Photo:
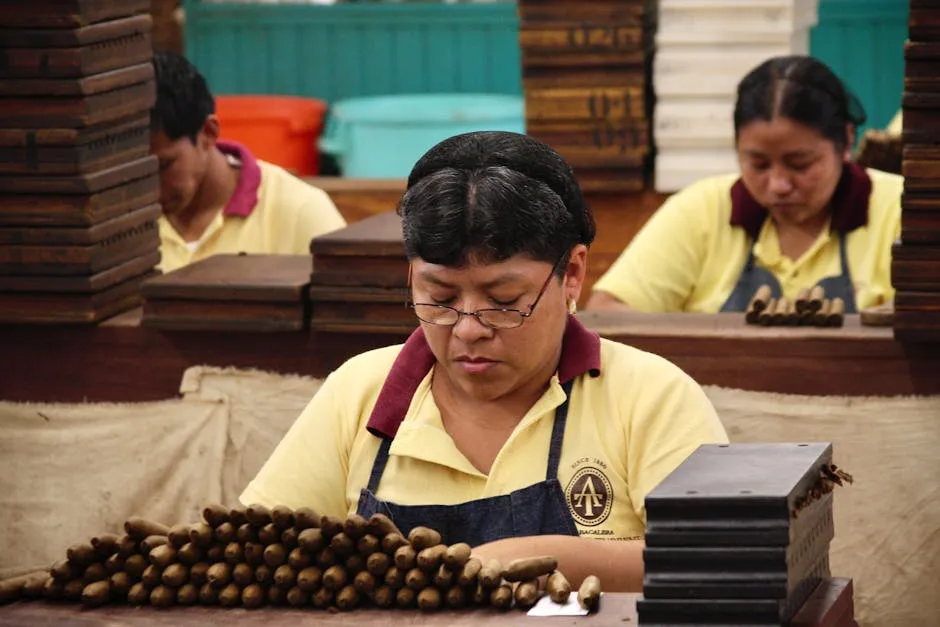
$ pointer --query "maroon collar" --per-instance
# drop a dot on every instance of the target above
(849, 203)
(580, 354)
(245, 198)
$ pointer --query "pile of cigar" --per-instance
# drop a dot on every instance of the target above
(281, 557)
(810, 308)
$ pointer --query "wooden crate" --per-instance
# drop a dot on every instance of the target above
(586, 74)
(915, 265)
(231, 293)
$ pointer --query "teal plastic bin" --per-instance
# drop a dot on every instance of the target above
(383, 137)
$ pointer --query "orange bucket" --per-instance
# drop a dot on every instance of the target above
(282, 130)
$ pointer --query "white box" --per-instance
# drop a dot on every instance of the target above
(676, 169)
(740, 21)
(694, 123)
(714, 70)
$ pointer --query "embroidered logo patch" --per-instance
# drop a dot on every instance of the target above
(590, 496)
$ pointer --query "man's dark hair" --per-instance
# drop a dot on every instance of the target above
(183, 97)
(491, 195)
(802, 89)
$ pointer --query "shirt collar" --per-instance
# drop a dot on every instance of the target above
(580, 354)
(849, 204)
(245, 198)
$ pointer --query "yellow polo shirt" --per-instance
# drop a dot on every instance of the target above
(628, 428)
(689, 255)
(271, 212)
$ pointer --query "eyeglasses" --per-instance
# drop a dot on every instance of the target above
(494, 318)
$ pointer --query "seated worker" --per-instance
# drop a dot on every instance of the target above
(799, 214)
(501, 422)
(217, 198)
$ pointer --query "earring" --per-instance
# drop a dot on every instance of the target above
(572, 306)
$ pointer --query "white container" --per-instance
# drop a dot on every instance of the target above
(694, 123)
(714, 70)
(676, 169)
(739, 21)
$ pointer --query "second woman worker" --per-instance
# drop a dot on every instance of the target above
(799, 214)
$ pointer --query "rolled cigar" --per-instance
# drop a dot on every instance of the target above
(765, 317)
(790, 317)
(836, 313)
(821, 316)
(802, 300)
(816, 297)
(751, 316)
(780, 311)
(761, 299)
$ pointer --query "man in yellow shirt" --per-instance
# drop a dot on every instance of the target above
(502, 422)
(798, 215)
(217, 198)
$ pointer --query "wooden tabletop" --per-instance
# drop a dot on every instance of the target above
(120, 361)
(616, 610)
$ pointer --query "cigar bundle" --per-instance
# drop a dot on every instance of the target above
(281, 557)
(810, 308)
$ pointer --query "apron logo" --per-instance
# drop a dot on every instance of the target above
(590, 496)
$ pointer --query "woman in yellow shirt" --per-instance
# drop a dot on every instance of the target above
(799, 214)
(502, 422)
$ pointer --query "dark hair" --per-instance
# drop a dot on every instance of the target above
(183, 97)
(490, 195)
(802, 89)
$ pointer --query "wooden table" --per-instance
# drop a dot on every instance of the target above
(120, 361)
(617, 610)
(830, 605)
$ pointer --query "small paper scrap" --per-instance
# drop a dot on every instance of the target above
(547, 607)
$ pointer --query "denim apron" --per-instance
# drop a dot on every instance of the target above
(539, 509)
(753, 276)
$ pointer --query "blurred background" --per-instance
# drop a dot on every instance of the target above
(361, 88)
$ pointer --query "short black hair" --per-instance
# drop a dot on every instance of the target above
(803, 89)
(183, 97)
(490, 195)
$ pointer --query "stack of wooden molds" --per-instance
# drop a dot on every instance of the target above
(585, 68)
(739, 534)
(78, 189)
(360, 278)
(167, 29)
(916, 259)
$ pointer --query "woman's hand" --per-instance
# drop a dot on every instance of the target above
(618, 563)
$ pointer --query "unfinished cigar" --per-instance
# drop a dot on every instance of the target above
(790, 317)
(178, 535)
(527, 594)
(761, 299)
(780, 311)
(802, 300)
(821, 315)
(15, 588)
(836, 315)
(589, 594)
(306, 518)
(215, 514)
(381, 525)
(766, 316)
(816, 297)
(282, 517)
(139, 528)
(752, 315)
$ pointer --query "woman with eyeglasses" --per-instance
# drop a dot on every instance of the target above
(501, 422)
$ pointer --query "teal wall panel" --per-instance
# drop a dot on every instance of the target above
(350, 50)
(863, 42)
